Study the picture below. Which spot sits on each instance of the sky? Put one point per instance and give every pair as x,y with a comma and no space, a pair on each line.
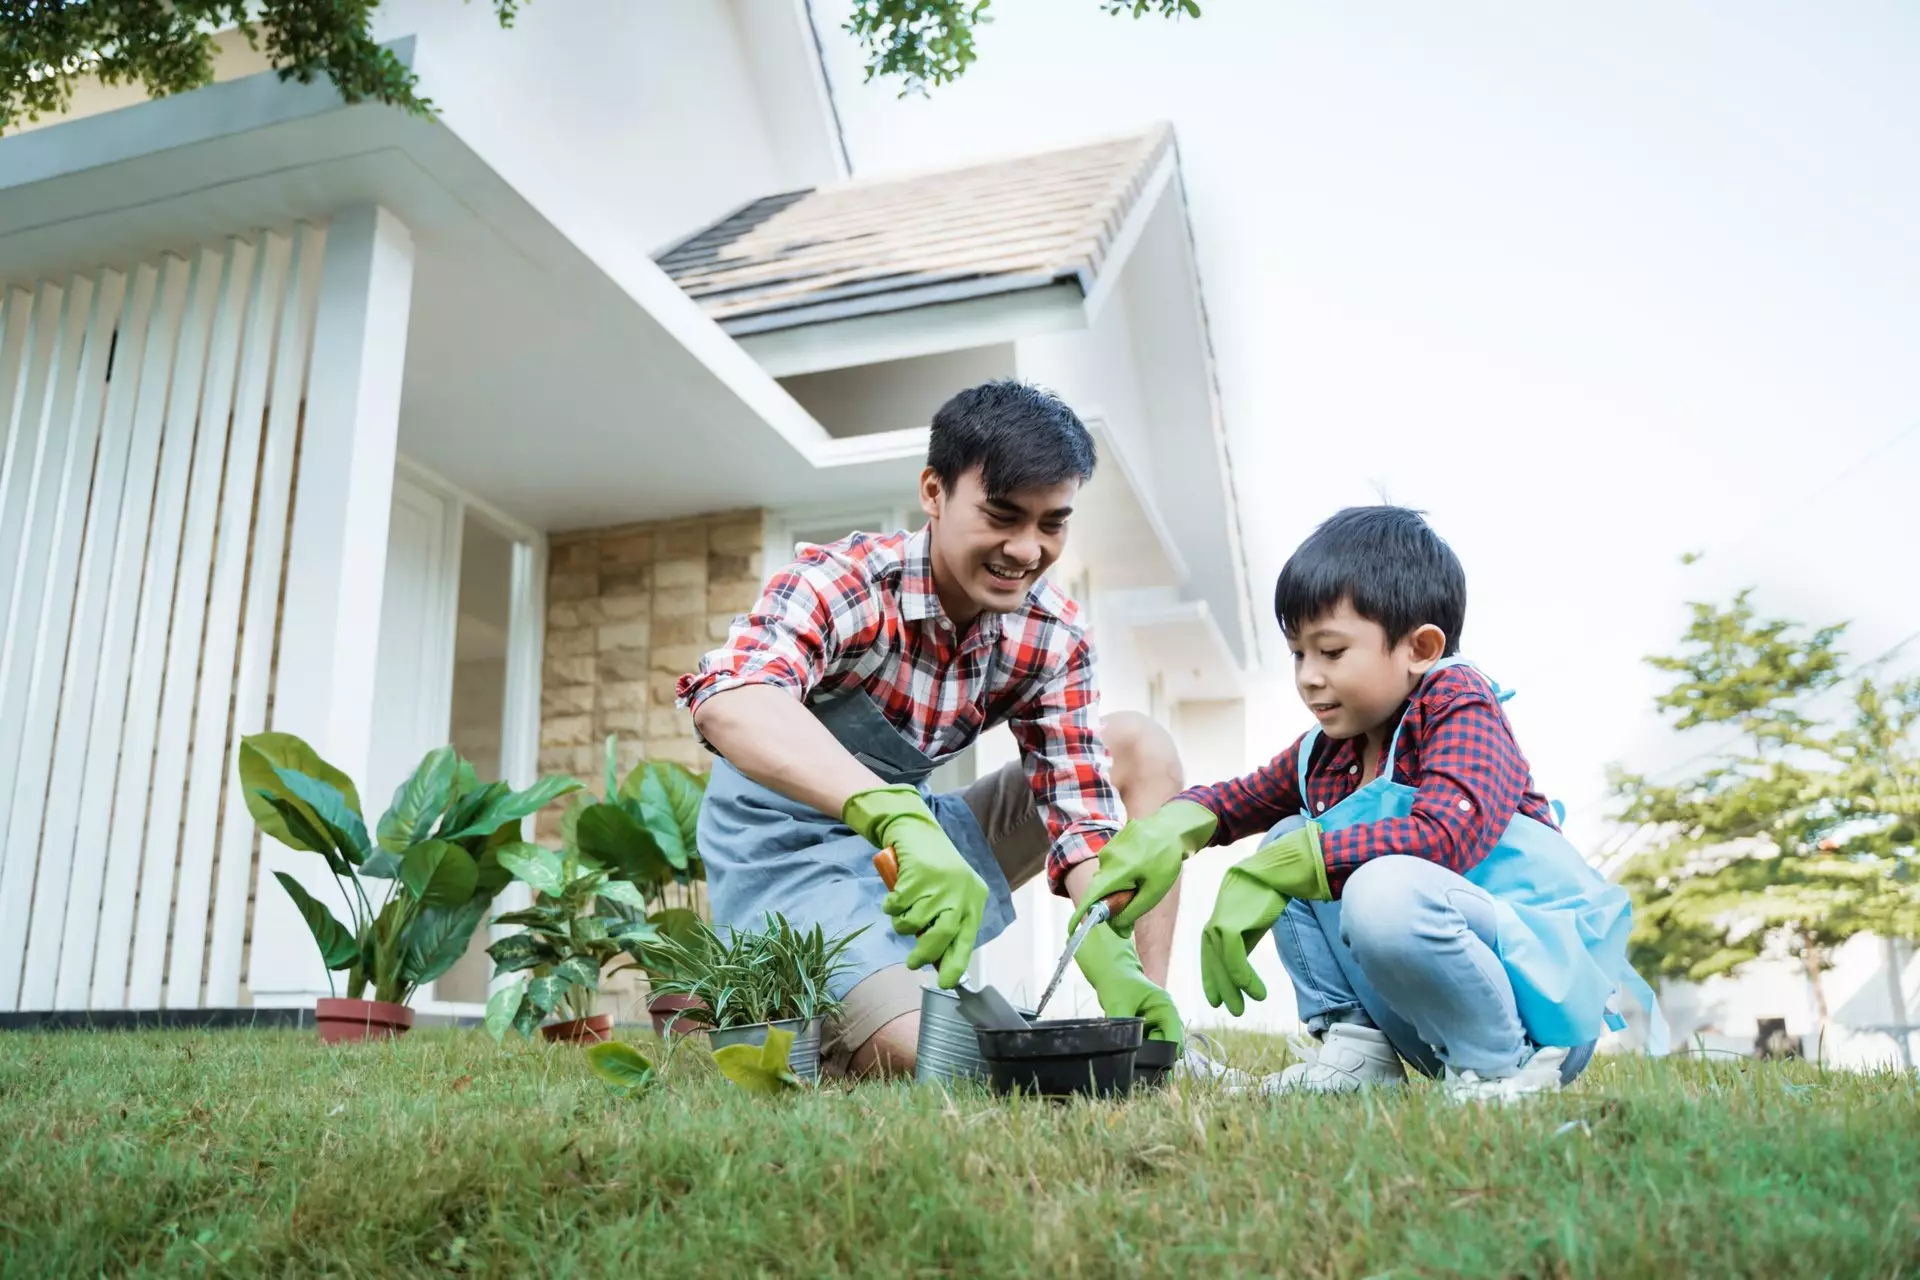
1592,285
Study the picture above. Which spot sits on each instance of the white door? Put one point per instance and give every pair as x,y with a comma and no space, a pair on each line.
413,681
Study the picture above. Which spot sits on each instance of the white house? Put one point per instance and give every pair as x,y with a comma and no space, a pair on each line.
388,432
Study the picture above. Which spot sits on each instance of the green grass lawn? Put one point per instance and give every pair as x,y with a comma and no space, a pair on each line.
251,1153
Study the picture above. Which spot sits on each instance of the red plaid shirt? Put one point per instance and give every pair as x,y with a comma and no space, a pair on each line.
863,612
1456,749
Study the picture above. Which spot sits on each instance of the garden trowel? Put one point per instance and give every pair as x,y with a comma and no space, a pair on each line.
1098,914
984,1007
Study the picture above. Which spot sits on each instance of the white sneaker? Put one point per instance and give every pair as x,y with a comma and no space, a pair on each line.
1195,1065
1348,1059
1540,1073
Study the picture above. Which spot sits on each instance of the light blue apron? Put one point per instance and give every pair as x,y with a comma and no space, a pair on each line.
766,853
1561,927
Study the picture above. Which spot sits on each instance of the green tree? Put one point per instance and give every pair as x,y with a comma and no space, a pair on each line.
1793,835
47,46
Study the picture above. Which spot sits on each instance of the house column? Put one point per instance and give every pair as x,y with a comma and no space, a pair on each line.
336,561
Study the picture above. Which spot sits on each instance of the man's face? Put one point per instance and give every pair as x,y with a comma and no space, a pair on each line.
989,551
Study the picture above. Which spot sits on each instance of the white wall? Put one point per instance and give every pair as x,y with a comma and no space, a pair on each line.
646,118
897,394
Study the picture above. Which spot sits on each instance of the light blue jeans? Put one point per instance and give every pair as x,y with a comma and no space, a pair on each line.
1408,948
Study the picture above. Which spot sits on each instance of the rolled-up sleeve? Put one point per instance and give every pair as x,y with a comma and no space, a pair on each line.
1066,766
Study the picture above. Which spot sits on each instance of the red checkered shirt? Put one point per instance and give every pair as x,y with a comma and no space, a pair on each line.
1456,749
863,612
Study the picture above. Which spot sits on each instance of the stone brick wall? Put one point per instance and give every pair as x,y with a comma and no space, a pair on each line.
629,610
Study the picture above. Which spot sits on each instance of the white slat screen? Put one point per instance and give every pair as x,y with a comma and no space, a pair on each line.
151,419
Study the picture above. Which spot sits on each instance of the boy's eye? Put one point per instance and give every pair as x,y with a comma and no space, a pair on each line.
1331,654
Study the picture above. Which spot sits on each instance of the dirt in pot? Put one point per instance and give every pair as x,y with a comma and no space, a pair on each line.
1059,1059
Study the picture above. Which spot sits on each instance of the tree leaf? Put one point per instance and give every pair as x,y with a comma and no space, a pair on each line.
581,971
469,805
419,800
303,831
622,892
338,947
670,797
381,865
514,806
260,754
501,1008
324,801
519,951
620,1064
439,874
546,993
438,937
533,865
760,1068
609,834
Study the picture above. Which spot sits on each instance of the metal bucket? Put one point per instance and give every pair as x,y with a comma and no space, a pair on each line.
947,1050
804,1057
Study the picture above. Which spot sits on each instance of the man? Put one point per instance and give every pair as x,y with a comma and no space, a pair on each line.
867,663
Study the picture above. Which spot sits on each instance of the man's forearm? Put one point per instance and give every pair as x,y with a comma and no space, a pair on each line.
769,735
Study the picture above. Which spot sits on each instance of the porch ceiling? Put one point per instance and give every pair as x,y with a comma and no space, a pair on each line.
552,368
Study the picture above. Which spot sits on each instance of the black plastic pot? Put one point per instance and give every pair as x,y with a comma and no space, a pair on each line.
1152,1062
1058,1059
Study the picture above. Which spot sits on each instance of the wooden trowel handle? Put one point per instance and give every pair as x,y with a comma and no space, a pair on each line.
888,866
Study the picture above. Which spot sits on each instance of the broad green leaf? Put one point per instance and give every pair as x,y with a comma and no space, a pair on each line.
633,933
439,874
549,915
581,971
419,800
670,798
620,1064
519,951
760,1069
326,803
612,782
586,930
463,810
528,1019
338,948
623,893
438,937
465,780
545,993
501,1008
303,831
381,865
262,753
570,821
515,806
609,834
676,923
493,876
533,865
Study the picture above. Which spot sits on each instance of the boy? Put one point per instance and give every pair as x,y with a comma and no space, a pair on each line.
1416,883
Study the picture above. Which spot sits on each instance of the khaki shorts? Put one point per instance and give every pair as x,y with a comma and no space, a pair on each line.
1002,803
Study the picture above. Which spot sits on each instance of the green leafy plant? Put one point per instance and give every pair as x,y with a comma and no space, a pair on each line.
621,1065
748,977
444,847
572,933
760,1068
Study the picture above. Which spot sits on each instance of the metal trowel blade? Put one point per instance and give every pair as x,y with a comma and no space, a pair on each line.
988,1009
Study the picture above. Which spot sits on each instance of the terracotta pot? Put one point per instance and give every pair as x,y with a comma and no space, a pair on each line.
341,1021
581,1030
663,1008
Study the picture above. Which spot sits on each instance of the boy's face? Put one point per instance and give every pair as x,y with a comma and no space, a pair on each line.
1350,677
988,552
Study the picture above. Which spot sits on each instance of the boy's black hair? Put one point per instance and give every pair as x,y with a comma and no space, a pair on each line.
1018,435
1388,562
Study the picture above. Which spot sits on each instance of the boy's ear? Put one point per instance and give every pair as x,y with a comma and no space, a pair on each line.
1426,646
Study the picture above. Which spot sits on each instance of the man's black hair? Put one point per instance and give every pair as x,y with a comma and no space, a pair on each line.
1018,435
1388,562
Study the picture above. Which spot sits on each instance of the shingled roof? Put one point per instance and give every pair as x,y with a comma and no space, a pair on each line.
888,244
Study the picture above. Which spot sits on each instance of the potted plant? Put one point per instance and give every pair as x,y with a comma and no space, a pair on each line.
573,931
646,830
438,847
752,982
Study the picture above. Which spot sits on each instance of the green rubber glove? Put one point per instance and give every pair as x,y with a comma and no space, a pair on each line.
1112,966
937,896
1252,897
1146,858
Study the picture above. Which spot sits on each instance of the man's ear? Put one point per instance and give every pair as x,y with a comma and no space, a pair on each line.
1426,646
933,492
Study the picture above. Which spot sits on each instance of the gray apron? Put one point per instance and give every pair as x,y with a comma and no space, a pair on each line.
765,853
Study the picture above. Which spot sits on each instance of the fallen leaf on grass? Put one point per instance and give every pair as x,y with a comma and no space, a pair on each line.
761,1069
461,1085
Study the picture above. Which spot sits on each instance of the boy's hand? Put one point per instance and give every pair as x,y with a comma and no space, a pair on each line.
1253,895
1146,857
937,896
1112,967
